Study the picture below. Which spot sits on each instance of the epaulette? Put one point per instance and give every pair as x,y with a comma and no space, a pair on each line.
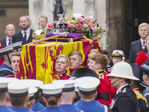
140,96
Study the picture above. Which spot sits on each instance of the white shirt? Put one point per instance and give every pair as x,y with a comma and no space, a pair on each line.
7,40
142,42
27,33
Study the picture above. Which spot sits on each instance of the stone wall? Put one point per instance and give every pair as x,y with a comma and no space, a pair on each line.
10,11
115,23
39,8
68,7
101,16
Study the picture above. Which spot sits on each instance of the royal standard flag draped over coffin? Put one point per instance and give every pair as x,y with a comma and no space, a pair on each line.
37,60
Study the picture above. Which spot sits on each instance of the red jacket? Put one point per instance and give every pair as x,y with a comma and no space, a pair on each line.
105,89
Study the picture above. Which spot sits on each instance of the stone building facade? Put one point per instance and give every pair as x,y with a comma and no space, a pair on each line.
109,15
10,11
120,18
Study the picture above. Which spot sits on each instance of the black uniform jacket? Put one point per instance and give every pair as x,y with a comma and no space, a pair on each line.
125,101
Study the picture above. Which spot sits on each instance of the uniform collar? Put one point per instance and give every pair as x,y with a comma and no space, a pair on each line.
21,109
92,101
52,108
119,90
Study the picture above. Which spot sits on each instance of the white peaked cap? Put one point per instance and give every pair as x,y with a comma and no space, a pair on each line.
52,89
10,80
59,82
66,83
87,84
3,82
122,70
32,82
69,84
17,88
118,51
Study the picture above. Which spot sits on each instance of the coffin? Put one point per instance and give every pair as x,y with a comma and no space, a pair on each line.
37,58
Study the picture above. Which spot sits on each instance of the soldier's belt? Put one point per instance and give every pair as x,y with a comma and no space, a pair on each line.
103,96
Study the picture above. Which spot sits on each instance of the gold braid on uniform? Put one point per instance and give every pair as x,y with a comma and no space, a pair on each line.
139,95
100,74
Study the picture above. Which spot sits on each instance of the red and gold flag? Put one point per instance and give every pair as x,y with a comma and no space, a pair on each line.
37,60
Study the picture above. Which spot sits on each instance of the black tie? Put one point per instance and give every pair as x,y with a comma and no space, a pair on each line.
9,41
144,43
24,34
24,37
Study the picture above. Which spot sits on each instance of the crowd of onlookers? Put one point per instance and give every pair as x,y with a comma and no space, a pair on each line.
108,82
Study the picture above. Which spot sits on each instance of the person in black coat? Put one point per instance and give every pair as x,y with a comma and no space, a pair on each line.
125,99
25,34
9,31
138,45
